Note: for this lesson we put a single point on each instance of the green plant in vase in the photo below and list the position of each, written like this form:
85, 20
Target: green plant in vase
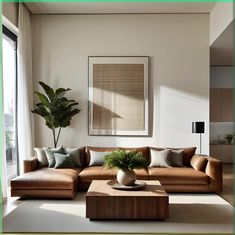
55, 108
126, 162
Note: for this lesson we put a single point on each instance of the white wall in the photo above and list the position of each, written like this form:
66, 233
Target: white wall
178, 46
221, 16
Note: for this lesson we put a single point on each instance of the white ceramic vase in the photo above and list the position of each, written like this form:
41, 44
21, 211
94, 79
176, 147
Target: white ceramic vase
126, 177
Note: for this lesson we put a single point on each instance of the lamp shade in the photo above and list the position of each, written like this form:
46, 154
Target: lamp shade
198, 127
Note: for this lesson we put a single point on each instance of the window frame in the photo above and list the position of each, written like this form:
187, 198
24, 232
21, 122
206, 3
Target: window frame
6, 32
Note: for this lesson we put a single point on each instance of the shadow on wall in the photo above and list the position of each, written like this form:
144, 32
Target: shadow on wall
177, 111
172, 111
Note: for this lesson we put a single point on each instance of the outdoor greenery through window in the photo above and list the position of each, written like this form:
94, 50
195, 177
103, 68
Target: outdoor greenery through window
10, 104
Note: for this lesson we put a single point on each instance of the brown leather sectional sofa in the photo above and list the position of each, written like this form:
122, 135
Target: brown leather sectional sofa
199, 174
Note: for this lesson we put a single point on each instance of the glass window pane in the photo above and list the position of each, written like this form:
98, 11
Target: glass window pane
9, 90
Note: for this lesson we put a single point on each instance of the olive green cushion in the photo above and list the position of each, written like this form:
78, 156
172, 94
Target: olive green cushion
75, 155
50, 155
63, 161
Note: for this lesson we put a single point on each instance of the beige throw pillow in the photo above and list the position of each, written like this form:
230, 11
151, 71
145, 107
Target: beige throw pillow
97, 158
160, 158
41, 156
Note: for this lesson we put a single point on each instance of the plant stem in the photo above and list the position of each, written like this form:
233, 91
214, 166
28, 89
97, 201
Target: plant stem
53, 131
58, 136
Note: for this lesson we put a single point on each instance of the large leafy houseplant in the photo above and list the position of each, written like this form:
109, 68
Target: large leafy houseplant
126, 162
55, 108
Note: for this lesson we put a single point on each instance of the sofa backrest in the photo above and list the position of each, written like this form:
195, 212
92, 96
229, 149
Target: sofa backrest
85, 157
144, 150
85, 152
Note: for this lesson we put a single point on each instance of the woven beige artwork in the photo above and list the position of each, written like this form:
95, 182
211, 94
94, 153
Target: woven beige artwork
118, 97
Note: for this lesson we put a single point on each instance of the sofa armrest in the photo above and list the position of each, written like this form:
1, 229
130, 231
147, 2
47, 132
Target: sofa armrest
214, 171
31, 164
212, 167
199, 162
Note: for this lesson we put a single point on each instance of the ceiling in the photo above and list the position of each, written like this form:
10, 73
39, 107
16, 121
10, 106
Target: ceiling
221, 51
115, 7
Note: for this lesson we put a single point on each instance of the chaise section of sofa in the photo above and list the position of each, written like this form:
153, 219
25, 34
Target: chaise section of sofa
45, 182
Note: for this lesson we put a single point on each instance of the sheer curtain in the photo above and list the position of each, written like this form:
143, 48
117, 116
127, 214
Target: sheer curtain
3, 181
4, 167
25, 87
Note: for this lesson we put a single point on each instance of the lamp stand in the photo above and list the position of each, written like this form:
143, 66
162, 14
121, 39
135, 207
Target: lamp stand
200, 143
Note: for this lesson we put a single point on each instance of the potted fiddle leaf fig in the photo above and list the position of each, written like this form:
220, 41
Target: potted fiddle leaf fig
126, 162
55, 109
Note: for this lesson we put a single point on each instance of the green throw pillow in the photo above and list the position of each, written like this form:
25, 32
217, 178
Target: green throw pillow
75, 155
50, 155
63, 161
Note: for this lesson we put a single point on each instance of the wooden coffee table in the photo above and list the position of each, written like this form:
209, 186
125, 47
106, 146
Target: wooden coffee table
103, 202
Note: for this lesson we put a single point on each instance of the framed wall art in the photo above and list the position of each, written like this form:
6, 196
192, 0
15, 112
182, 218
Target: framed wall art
118, 95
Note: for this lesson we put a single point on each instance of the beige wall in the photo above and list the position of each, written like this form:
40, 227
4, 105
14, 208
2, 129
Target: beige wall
10, 11
178, 46
221, 16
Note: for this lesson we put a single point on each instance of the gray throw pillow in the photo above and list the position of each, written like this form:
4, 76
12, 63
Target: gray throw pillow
50, 155
97, 158
160, 158
75, 155
41, 156
176, 158
63, 161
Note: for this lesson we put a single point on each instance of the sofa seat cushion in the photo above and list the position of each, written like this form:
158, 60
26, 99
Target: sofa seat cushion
96, 173
142, 174
102, 173
178, 175
46, 178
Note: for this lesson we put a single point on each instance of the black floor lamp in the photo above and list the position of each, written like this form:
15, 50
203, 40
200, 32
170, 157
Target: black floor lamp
199, 128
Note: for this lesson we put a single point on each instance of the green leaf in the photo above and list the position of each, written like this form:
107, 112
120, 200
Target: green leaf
71, 105
49, 91
60, 92
42, 98
41, 112
49, 125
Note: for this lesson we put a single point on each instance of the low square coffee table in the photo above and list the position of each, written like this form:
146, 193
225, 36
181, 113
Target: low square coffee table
104, 202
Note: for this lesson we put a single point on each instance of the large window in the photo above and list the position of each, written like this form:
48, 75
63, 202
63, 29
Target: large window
10, 101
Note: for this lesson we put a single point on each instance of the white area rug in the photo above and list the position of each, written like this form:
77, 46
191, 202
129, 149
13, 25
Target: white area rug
189, 213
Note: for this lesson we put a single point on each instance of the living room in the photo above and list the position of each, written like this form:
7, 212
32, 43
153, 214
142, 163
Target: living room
136, 78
